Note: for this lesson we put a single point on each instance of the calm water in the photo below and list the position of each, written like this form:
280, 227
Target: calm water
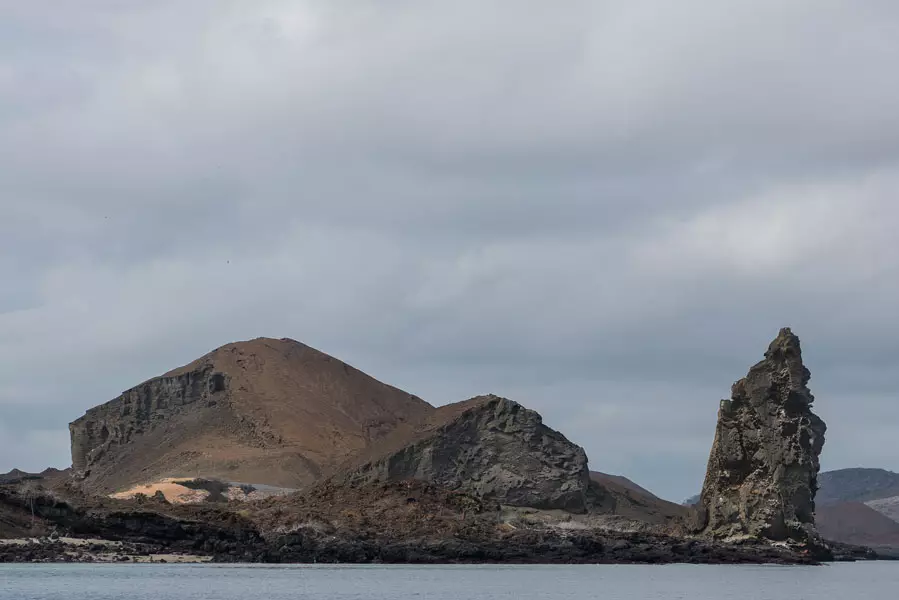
864, 581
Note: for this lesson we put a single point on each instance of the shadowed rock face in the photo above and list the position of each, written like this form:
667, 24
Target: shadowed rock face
763, 468
491, 447
115, 424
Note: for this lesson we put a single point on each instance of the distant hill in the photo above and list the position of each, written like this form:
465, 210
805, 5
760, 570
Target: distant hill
857, 523
50, 475
634, 501
886, 506
856, 485
860, 506
848, 485
624, 482
13, 476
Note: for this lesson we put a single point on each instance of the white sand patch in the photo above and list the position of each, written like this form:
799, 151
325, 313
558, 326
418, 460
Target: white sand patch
173, 492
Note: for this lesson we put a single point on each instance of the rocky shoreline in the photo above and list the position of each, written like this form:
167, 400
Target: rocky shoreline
85, 550
411, 523
528, 548
525, 548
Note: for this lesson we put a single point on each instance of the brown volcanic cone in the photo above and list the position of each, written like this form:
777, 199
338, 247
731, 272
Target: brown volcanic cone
264, 411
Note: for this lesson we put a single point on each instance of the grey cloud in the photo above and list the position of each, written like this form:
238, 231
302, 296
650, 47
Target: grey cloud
604, 212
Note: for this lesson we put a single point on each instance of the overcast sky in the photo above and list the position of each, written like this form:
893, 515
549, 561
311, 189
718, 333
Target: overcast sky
604, 210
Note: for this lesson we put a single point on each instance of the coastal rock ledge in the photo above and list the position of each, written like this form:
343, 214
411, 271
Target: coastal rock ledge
763, 468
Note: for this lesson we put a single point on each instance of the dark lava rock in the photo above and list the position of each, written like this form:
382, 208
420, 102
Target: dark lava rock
763, 468
490, 447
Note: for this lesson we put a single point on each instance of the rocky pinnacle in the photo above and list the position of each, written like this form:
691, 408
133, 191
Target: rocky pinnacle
763, 468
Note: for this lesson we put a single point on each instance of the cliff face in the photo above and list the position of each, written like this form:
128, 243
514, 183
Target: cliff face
490, 447
265, 411
141, 410
763, 467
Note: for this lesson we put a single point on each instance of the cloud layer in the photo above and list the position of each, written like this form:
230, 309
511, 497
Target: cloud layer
604, 211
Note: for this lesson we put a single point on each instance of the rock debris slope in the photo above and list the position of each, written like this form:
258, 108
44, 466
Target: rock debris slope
763, 467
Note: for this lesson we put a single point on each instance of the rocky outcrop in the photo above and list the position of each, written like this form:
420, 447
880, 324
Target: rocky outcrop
137, 411
763, 468
47, 476
490, 447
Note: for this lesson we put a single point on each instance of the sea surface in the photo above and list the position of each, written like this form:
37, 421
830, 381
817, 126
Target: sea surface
858, 581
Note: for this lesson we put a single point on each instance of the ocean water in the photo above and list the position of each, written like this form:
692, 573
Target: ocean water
859, 581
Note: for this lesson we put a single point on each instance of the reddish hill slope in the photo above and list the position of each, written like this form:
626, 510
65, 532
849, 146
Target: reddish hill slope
264, 411
636, 502
857, 523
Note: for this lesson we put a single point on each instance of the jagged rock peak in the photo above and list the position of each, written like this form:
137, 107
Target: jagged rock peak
785, 352
488, 446
763, 466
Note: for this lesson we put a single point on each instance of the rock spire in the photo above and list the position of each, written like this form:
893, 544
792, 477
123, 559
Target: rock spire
763, 467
